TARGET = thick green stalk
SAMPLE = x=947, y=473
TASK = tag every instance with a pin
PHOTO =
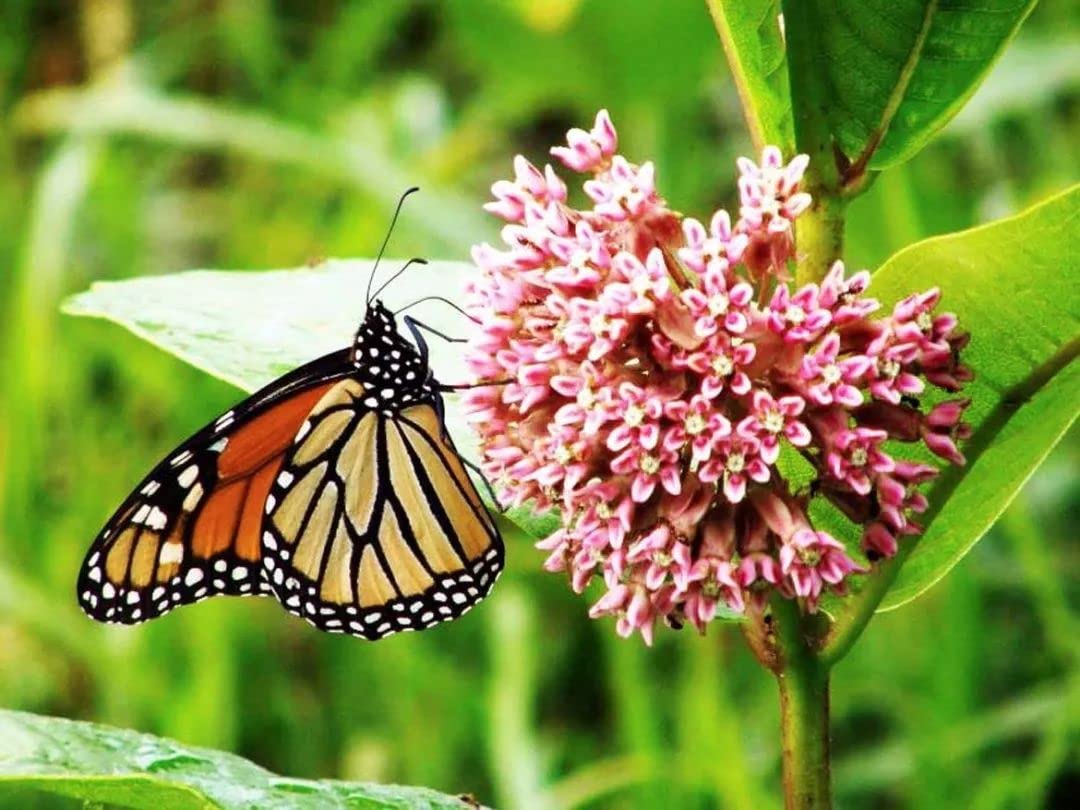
x=804, y=724
x=786, y=641
x=803, y=679
x=820, y=230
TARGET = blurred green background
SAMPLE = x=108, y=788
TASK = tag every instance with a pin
x=150, y=137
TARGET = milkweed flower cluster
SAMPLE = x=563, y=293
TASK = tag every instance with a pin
x=642, y=373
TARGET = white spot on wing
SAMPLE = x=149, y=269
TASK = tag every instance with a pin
x=157, y=519
x=191, y=500
x=171, y=553
x=188, y=476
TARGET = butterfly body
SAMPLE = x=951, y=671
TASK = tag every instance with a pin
x=335, y=489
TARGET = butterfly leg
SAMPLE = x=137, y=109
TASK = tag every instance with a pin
x=487, y=485
x=415, y=325
x=442, y=300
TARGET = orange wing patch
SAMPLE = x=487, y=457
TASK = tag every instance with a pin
x=231, y=516
x=268, y=435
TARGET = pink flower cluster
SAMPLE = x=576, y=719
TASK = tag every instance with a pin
x=644, y=374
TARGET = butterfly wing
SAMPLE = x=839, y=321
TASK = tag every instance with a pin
x=374, y=526
x=190, y=530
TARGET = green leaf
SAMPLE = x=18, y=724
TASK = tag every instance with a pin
x=248, y=328
x=1014, y=286
x=114, y=766
x=896, y=71
x=754, y=45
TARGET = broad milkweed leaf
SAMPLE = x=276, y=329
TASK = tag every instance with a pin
x=249, y=327
x=897, y=71
x=124, y=768
x=1016, y=288
x=753, y=41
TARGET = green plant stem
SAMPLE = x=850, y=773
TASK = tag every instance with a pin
x=820, y=230
x=803, y=679
x=820, y=238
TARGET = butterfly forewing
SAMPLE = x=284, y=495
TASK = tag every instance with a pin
x=191, y=528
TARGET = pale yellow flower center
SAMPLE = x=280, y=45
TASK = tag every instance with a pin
x=889, y=368
x=722, y=365
x=634, y=416
x=831, y=374
x=563, y=454
x=858, y=457
x=586, y=397
x=662, y=558
x=736, y=462
x=795, y=314
x=558, y=332
x=694, y=424
x=603, y=511
x=924, y=321
x=599, y=324
x=641, y=285
x=773, y=421
x=718, y=304
x=810, y=556
x=650, y=465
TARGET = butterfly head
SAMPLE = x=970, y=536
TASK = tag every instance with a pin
x=390, y=367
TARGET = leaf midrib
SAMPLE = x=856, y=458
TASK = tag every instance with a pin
x=899, y=91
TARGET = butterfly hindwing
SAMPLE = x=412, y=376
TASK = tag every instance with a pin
x=373, y=525
x=191, y=528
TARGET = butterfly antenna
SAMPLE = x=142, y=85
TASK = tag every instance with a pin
x=386, y=239
x=386, y=283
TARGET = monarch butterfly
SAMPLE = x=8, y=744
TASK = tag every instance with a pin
x=335, y=489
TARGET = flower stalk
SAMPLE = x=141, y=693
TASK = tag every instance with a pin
x=802, y=671
x=803, y=679
x=820, y=231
